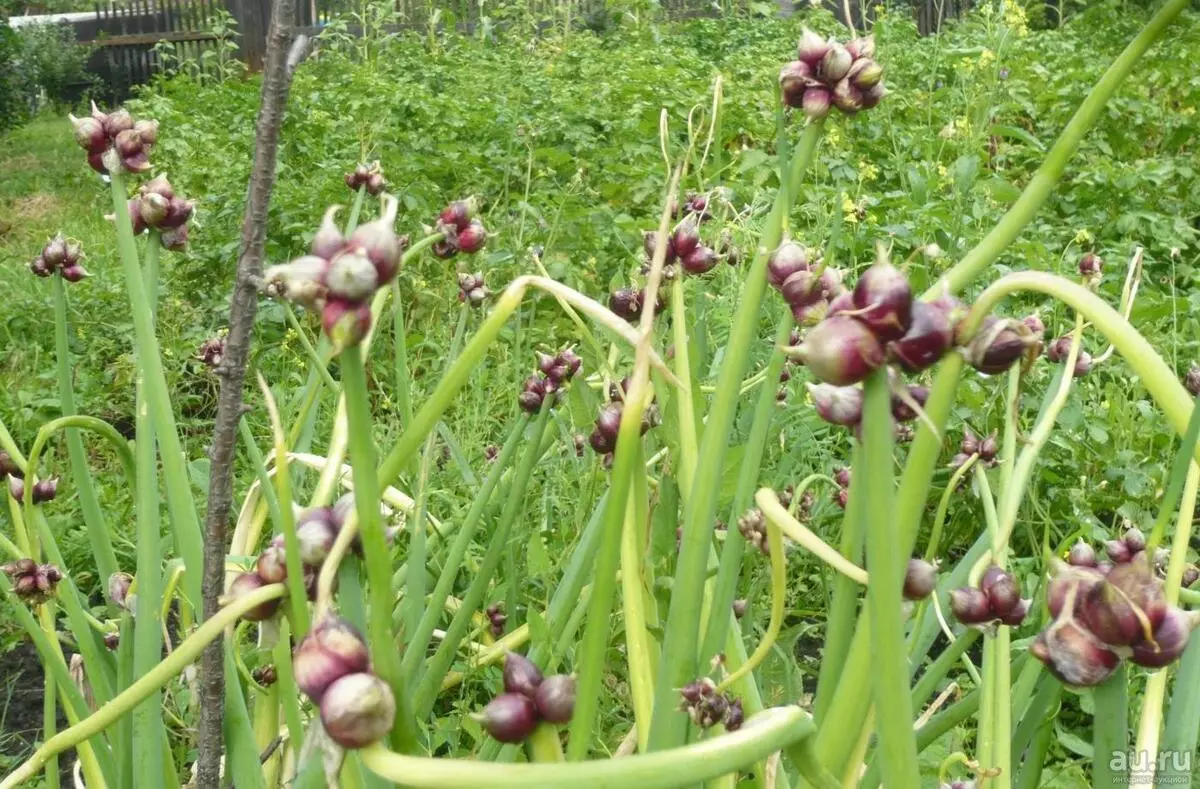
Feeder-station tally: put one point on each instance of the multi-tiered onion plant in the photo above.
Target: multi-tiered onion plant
(335, 659)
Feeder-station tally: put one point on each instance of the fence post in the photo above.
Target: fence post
(253, 18)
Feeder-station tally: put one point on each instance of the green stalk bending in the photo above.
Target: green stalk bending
(681, 633)
(640, 649)
(763, 735)
(735, 544)
(91, 424)
(184, 520)
(93, 516)
(893, 708)
(385, 656)
(1139, 354)
(1044, 180)
(185, 653)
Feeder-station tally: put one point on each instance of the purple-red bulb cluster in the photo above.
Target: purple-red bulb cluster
(62, 255)
(340, 275)
(157, 207)
(332, 666)
(44, 490)
(627, 303)
(608, 424)
(986, 448)
(706, 707)
(317, 529)
(368, 177)
(471, 289)
(997, 598)
(827, 74)
(1103, 613)
(211, 352)
(32, 582)
(684, 245)
(810, 289)
(556, 372)
(463, 233)
(496, 620)
(1058, 351)
(115, 140)
(528, 699)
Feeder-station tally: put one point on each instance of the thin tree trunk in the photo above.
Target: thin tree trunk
(281, 60)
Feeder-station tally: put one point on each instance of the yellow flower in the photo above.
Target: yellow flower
(1083, 237)
(1015, 18)
(868, 171)
(986, 57)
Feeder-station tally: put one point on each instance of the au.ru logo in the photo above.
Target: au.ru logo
(1142, 768)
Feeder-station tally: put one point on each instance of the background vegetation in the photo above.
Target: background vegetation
(558, 136)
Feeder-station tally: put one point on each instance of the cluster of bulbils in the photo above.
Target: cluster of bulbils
(62, 255)
(879, 322)
(44, 490)
(706, 707)
(115, 141)
(32, 582)
(995, 599)
(471, 289)
(604, 437)
(528, 699)
(316, 530)
(332, 666)
(684, 249)
(753, 527)
(496, 620)
(157, 207)
(211, 352)
(1105, 611)
(460, 230)
(556, 372)
(368, 177)
(340, 275)
(827, 73)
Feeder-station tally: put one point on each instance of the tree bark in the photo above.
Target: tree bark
(281, 60)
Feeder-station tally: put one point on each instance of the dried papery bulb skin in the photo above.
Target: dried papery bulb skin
(1191, 380)
(379, 243)
(838, 405)
(555, 698)
(1091, 266)
(840, 351)
(811, 48)
(1169, 640)
(351, 276)
(118, 588)
(245, 584)
(521, 675)
(1081, 555)
(358, 710)
(174, 239)
(970, 606)
(333, 649)
(1074, 655)
(328, 240)
(835, 64)
(920, 579)
(817, 102)
(509, 718)
(271, 565)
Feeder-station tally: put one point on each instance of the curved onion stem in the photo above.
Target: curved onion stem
(1139, 354)
(1042, 184)
(90, 423)
(778, 516)
(183, 656)
(1133, 278)
(762, 735)
(778, 593)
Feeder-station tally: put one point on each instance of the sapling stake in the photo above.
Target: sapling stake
(280, 62)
